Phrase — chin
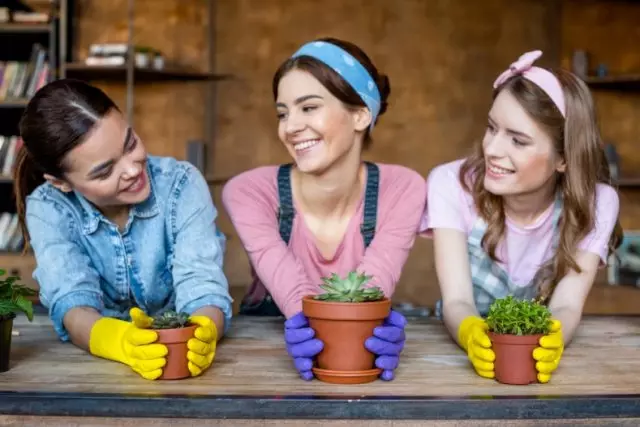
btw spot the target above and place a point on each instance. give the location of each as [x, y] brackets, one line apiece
[499, 188]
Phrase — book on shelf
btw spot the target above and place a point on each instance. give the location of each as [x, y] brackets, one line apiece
[9, 147]
[21, 80]
[10, 235]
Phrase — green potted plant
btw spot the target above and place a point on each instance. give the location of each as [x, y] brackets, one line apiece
[515, 329]
[174, 330]
[13, 300]
[343, 317]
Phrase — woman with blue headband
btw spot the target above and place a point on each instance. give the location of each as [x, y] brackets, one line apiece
[328, 211]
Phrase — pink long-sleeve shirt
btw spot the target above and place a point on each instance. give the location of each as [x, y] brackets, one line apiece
[290, 272]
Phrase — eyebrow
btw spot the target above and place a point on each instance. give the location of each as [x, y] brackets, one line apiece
[512, 131]
[105, 165]
[299, 100]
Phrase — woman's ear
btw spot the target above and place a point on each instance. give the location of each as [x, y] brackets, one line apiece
[58, 183]
[361, 119]
[562, 165]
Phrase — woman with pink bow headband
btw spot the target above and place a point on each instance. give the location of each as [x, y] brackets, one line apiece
[529, 213]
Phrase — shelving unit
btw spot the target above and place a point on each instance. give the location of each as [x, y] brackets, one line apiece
[132, 75]
[622, 83]
[17, 41]
[58, 35]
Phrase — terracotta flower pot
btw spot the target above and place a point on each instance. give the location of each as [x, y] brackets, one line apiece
[344, 327]
[6, 325]
[177, 366]
[514, 362]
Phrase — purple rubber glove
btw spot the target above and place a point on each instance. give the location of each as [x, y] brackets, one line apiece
[301, 345]
[387, 343]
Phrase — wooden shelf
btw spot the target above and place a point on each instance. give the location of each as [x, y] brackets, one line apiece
[24, 28]
[628, 182]
[94, 72]
[13, 103]
[622, 82]
[211, 180]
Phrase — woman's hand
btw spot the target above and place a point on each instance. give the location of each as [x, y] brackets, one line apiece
[387, 343]
[549, 353]
[301, 344]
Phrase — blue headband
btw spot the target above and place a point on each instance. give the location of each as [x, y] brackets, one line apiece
[349, 69]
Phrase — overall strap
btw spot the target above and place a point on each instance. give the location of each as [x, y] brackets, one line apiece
[368, 227]
[285, 212]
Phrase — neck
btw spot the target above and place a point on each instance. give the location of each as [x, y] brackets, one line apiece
[524, 209]
[334, 192]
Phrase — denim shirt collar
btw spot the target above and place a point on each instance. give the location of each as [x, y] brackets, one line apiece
[91, 216]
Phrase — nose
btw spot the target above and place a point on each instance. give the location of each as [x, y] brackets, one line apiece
[294, 124]
[131, 169]
[494, 145]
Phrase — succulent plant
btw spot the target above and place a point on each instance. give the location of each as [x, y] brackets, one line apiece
[170, 320]
[13, 298]
[349, 289]
[518, 317]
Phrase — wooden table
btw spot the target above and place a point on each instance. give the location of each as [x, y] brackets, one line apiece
[253, 383]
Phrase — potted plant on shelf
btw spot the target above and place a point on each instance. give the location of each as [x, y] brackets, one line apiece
[343, 317]
[174, 330]
[13, 300]
[515, 329]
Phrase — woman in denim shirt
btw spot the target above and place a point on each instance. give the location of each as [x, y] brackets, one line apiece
[116, 233]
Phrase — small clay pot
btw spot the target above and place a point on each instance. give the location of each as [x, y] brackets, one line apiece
[177, 366]
[514, 362]
[344, 327]
[6, 324]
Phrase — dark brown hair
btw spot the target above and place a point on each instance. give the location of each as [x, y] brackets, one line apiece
[334, 82]
[56, 120]
[577, 140]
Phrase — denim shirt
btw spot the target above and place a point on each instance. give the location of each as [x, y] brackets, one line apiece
[169, 255]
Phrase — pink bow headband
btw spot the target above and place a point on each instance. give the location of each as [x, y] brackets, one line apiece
[541, 77]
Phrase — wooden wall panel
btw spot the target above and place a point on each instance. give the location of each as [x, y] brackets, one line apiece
[609, 31]
[441, 57]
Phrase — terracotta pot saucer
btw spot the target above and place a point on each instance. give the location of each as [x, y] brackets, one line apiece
[347, 377]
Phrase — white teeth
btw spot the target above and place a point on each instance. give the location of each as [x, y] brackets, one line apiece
[499, 171]
[306, 144]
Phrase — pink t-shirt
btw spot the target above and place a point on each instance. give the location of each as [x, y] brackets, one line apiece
[527, 247]
[291, 272]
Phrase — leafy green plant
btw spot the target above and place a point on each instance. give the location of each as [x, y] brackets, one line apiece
[13, 297]
[170, 320]
[518, 317]
[349, 289]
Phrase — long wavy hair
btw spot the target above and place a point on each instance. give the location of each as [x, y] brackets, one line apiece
[578, 141]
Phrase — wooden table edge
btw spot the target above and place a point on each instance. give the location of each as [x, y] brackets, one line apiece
[131, 405]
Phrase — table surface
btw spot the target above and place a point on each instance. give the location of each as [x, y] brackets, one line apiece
[252, 377]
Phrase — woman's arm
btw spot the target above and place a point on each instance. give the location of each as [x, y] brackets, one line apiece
[454, 275]
[251, 201]
[199, 281]
[400, 206]
[571, 293]
[69, 285]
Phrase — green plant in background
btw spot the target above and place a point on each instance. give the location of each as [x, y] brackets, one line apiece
[518, 317]
[13, 297]
[349, 289]
[170, 320]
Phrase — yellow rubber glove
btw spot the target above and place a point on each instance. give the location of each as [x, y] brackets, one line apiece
[202, 347]
[549, 353]
[472, 335]
[127, 343]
